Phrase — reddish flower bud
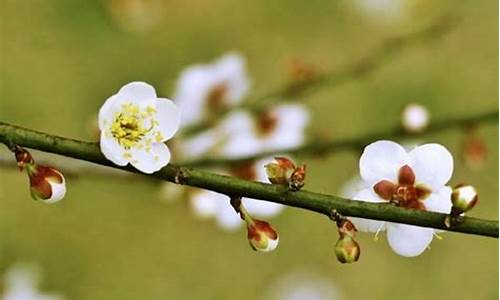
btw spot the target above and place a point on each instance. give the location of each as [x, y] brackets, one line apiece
[474, 151]
[298, 177]
[261, 236]
[464, 198]
[346, 227]
[347, 249]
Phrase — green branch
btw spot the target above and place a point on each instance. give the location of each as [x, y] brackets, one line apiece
[318, 147]
[324, 204]
[360, 68]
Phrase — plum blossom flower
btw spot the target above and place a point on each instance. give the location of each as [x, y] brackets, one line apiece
[207, 204]
[415, 179]
[279, 128]
[134, 125]
[21, 283]
[212, 87]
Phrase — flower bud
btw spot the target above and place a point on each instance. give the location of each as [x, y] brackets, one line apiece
[280, 171]
[346, 227]
[298, 177]
[347, 249]
[474, 151]
[46, 184]
[414, 118]
[261, 236]
[464, 198]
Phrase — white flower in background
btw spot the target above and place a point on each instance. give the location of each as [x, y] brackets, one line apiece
[303, 285]
[200, 144]
[415, 117]
[211, 87]
[207, 204]
[384, 11]
[279, 128]
[21, 283]
[415, 179]
[134, 125]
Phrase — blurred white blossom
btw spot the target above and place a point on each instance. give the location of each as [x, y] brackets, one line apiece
[415, 117]
[206, 88]
[21, 283]
[302, 285]
[207, 204]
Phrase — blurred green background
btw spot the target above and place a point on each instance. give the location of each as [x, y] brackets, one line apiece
[113, 238]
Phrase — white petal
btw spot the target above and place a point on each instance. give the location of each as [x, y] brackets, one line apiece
[231, 70]
[367, 225]
[169, 117]
[382, 160]
[198, 145]
[290, 128]
[439, 201]
[226, 218]
[204, 203]
[107, 113]
[408, 240]
[241, 140]
[432, 165]
[137, 91]
[262, 209]
[112, 150]
[352, 187]
[58, 192]
[152, 161]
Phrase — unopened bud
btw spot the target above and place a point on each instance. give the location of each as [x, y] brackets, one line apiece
[261, 236]
[464, 198]
[347, 249]
[414, 118]
[298, 177]
[47, 184]
[346, 227]
[280, 171]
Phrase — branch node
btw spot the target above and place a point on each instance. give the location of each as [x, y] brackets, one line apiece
[181, 176]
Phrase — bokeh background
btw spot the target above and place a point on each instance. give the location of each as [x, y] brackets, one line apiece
[114, 237]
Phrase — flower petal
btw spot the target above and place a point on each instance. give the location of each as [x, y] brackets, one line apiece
[112, 150]
[408, 240]
[226, 217]
[204, 203]
[290, 128]
[439, 201]
[150, 161]
[107, 113]
[432, 164]
[262, 209]
[367, 225]
[382, 160]
[136, 91]
[168, 116]
[231, 69]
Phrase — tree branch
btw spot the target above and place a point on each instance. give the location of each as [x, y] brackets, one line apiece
[324, 204]
[318, 147]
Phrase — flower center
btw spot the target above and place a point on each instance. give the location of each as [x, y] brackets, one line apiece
[404, 193]
[266, 123]
[216, 97]
[128, 125]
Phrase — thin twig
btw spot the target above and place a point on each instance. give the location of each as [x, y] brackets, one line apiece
[320, 203]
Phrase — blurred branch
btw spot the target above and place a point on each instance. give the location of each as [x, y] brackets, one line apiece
[320, 147]
[362, 67]
[324, 204]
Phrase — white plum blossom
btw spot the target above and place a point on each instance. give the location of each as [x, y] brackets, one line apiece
[384, 11]
[415, 117]
[208, 204]
[21, 283]
[134, 125]
[211, 87]
[280, 128]
[415, 179]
